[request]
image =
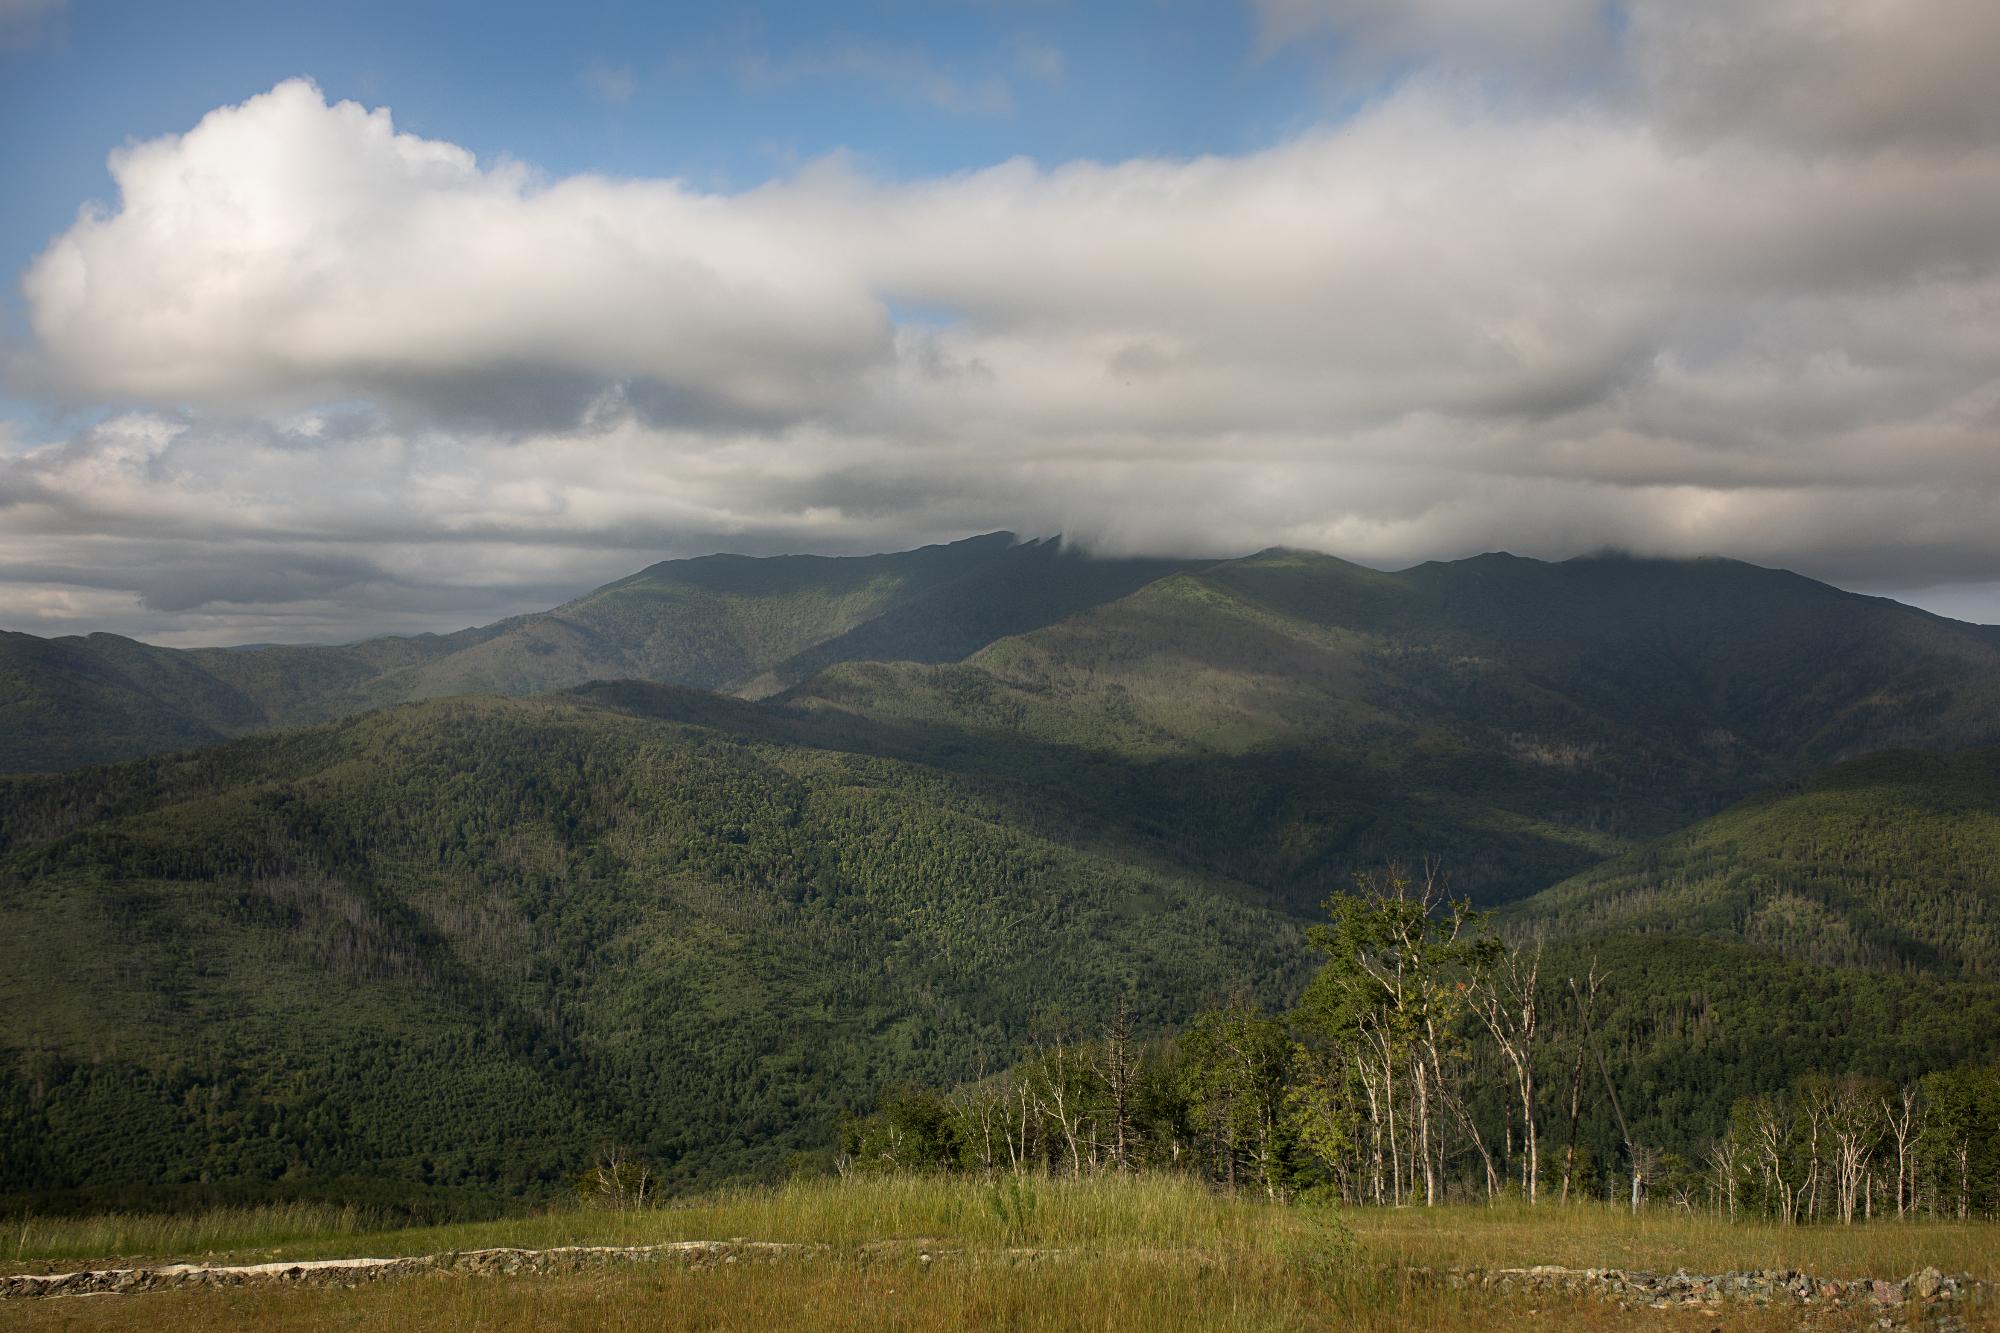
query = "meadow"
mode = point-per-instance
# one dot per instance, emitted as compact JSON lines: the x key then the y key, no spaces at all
{"x":1110,"y":1252}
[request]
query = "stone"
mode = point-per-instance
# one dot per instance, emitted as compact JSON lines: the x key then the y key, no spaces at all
{"x":1628,"y":1289}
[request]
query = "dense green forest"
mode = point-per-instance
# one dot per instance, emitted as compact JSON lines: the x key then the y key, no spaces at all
{"x":1429,"y":1061}
{"x":1886,"y":861}
{"x":466,"y":942}
{"x":717,"y":622}
{"x":949,"y":808}
{"x":1609,"y":697}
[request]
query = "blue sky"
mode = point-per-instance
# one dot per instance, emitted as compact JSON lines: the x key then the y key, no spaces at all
{"x":725,"y":95}
{"x":396,"y":317}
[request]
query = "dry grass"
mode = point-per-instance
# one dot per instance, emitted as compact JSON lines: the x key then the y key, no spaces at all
{"x":1115,"y":1253}
{"x":159,"y":1235}
{"x":1149,"y":1211}
{"x":1100,"y":1292}
{"x":1593,"y":1236}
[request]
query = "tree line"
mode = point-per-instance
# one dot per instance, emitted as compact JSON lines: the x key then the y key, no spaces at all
{"x":1427,"y":1060}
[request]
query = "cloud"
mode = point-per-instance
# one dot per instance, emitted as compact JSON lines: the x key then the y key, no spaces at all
{"x":1044,"y":63}
{"x":902,"y":72}
{"x":1827,"y":74}
{"x":23,"y":23}
{"x":286,"y":249}
{"x":1372,"y":37}
{"x":1824,"y":74}
{"x":613,"y":85}
{"x":27,"y":11}
{"x":393,"y":382}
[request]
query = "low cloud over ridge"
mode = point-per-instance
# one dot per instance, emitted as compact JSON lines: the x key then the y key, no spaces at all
{"x":1689,"y":305}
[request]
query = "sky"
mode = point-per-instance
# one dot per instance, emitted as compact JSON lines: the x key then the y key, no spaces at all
{"x":334,"y":320}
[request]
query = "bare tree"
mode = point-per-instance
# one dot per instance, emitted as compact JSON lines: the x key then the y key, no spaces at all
{"x":1054,"y":1085}
{"x":978,"y":1109}
{"x":1725,"y":1169}
{"x":1021,"y":1122}
{"x":1641,"y":1159}
{"x":1585,"y":999}
{"x":1854,"y":1120}
{"x":1404,"y":941}
{"x":1507,"y":1005}
{"x":1815,"y":1104}
{"x":1901,"y":1121}
{"x":1771,"y":1130}
{"x":1645,"y":1171}
{"x":1371,"y":1074}
{"x":617,"y":1181}
{"x":1118,"y":1081}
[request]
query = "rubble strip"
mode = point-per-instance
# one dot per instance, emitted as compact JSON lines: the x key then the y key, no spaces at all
{"x":1768,"y":1286}
{"x":1926,"y":1290}
{"x":349,"y":1272}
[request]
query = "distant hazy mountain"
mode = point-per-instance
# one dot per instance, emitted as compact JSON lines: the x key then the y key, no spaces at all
{"x":720,"y":622}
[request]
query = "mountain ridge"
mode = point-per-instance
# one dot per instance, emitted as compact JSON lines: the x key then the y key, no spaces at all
{"x":718,"y":622}
{"x":402,"y":941}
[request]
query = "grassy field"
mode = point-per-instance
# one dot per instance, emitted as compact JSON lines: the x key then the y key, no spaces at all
{"x":1153,"y":1252}
{"x":1094,"y":1292}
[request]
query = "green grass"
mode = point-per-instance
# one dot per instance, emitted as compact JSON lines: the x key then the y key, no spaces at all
{"x":1156,"y":1252}
{"x":1101,"y":1215}
{"x":185,"y":1235}
{"x":1258,"y":1291}
{"x":1161,"y":1211}
{"x":1665,"y":1240}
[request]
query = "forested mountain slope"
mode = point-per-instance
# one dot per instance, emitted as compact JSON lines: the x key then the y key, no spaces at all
{"x":464,"y":943}
{"x":1688,"y":1025}
{"x":741,"y":623}
{"x":1642,"y":694}
{"x":469,"y":943}
{"x":1890,"y":861}
{"x":718,"y":622}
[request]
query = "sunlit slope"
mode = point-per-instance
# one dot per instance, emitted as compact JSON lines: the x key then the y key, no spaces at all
{"x":1648,"y":692}
{"x":744,"y":624}
{"x":725,"y":621}
{"x":1889,"y":861}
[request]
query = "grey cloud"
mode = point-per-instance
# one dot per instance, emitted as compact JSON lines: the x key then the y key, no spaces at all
{"x":1446,"y":325}
{"x":550,"y":515}
{"x":1849,"y":76}
{"x":171,"y":577}
{"x":1861,"y":75}
{"x":289,"y":578}
{"x":1373,"y":36}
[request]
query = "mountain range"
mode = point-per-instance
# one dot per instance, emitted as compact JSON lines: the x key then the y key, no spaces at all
{"x":713,"y":856}
{"x":732,"y":623}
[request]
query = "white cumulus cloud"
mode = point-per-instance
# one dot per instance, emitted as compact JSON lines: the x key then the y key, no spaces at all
{"x":359,"y":378}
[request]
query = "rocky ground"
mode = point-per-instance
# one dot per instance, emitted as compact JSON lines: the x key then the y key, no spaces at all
{"x":1928,"y":1298}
